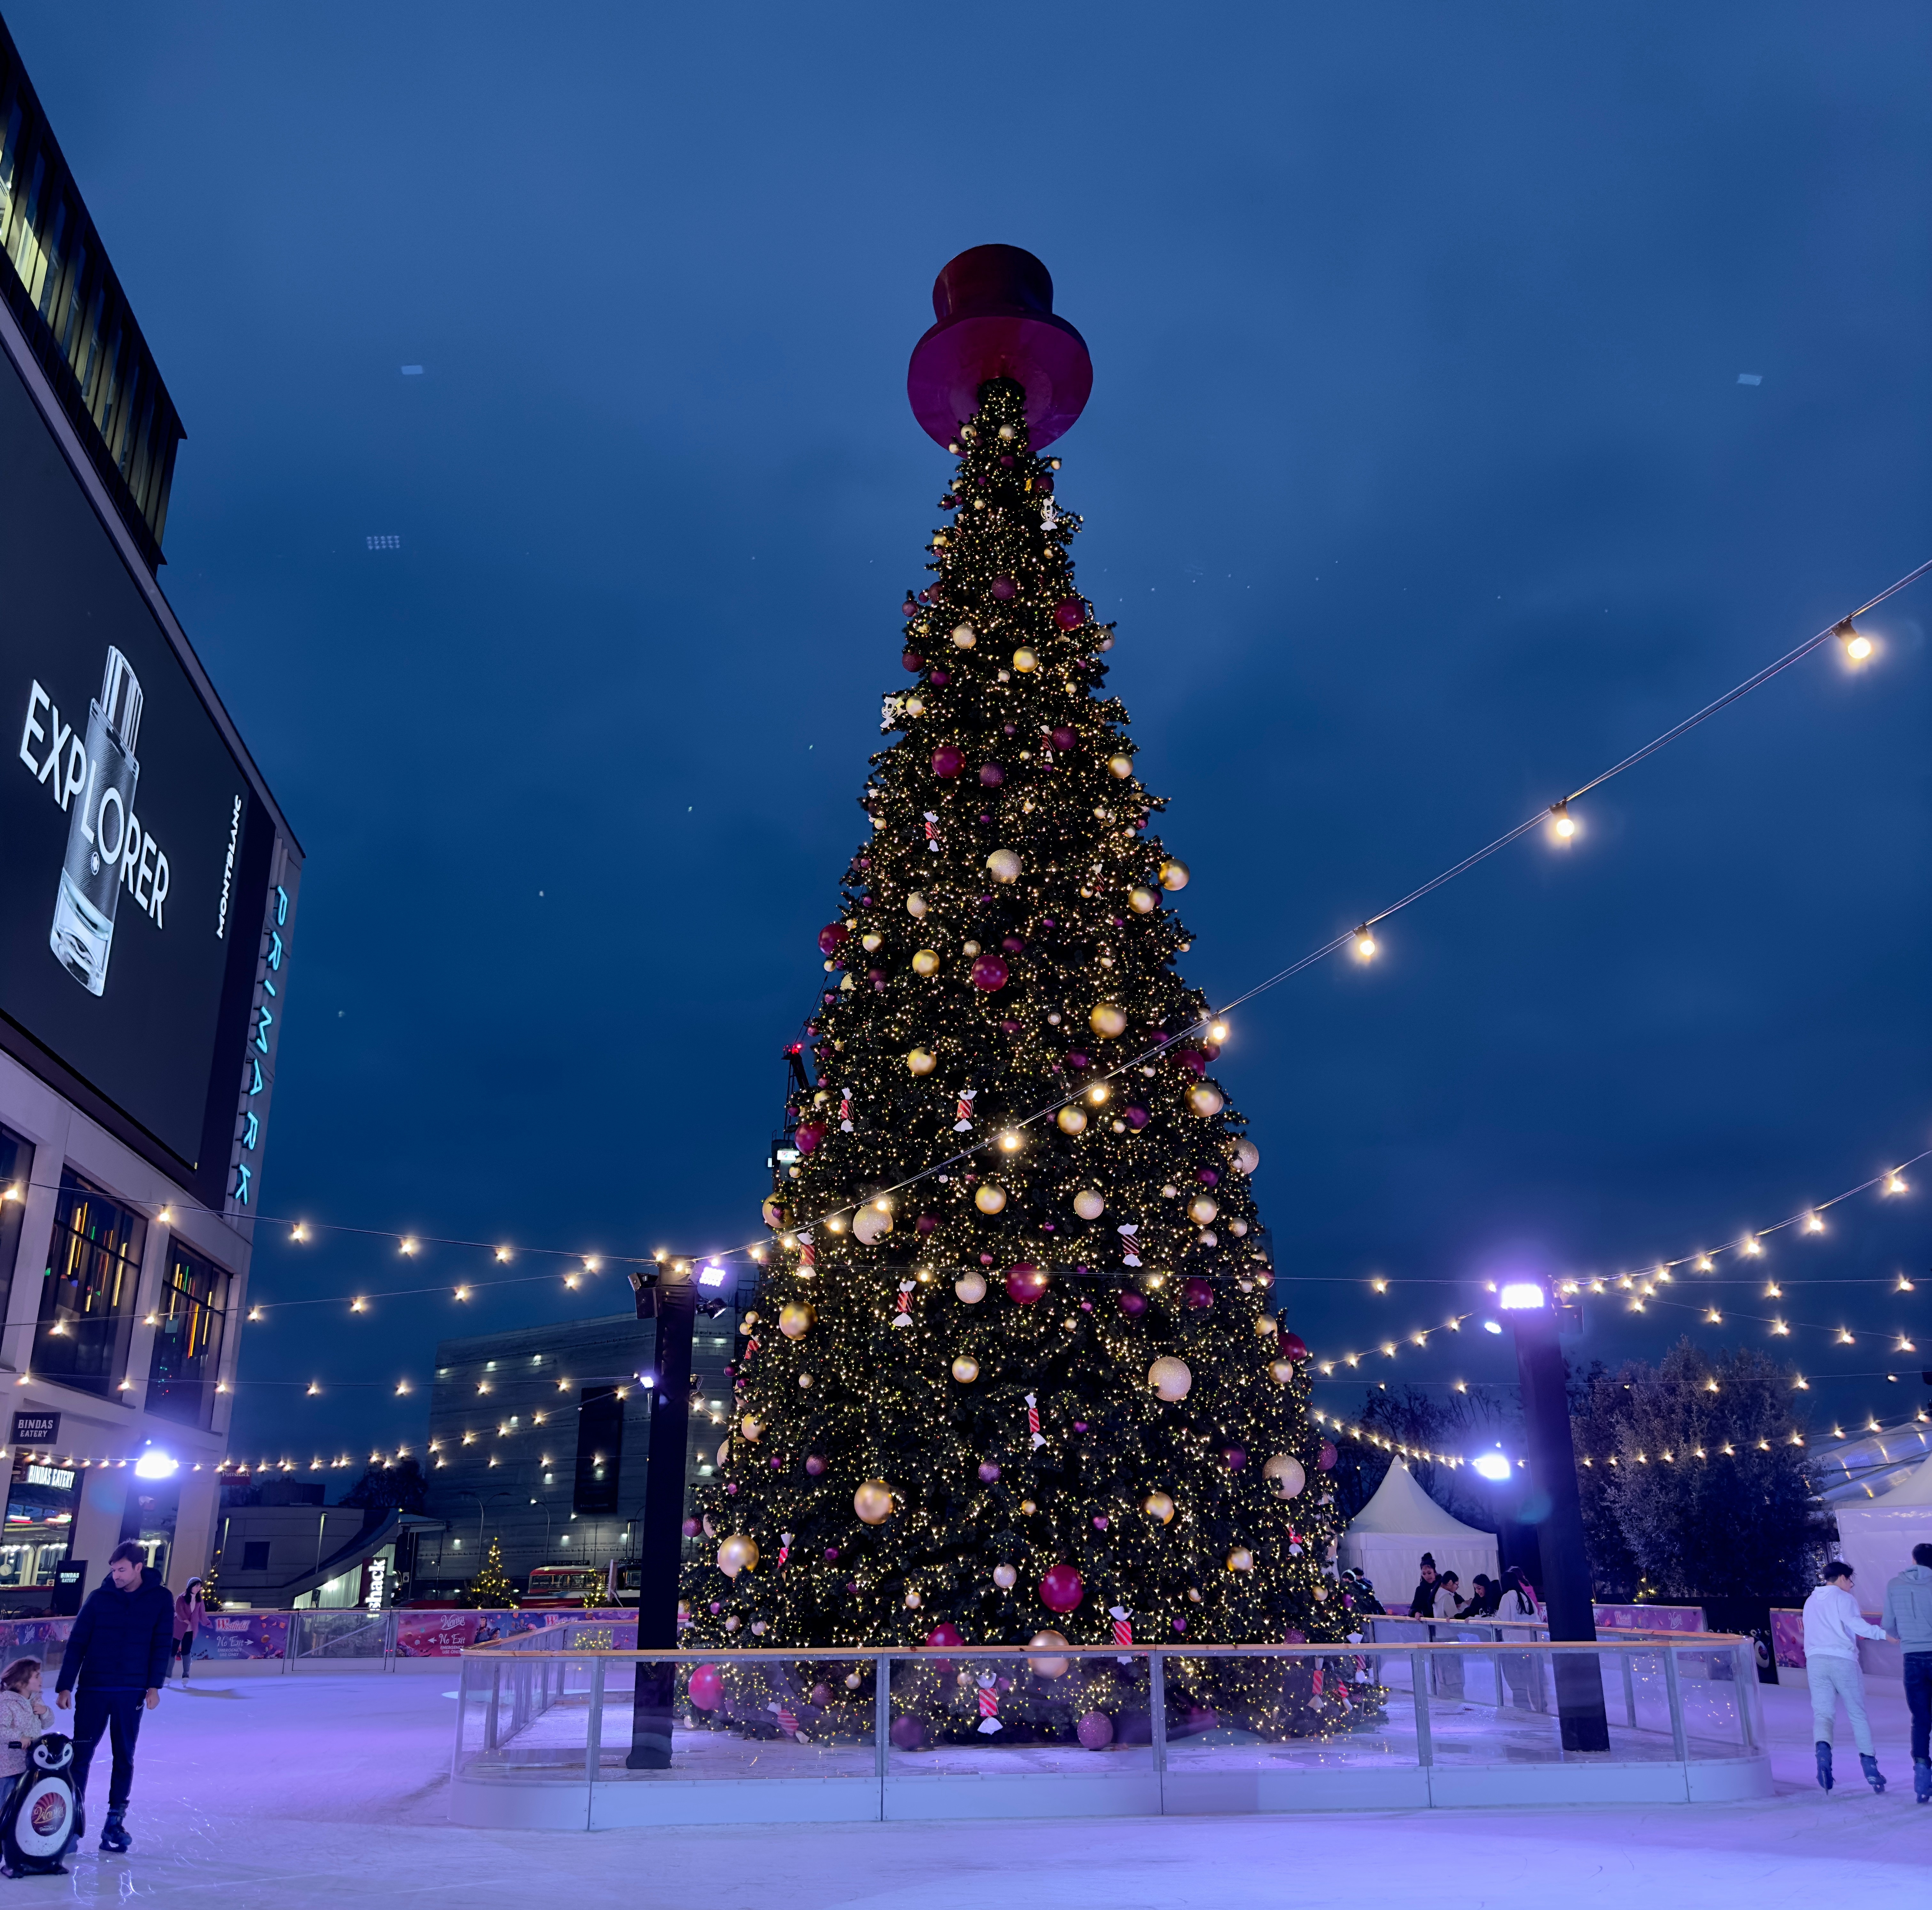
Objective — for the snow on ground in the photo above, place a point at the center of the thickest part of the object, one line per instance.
(328, 1791)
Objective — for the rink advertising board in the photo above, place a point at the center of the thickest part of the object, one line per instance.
(136, 849)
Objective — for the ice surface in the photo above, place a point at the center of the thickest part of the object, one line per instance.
(328, 1790)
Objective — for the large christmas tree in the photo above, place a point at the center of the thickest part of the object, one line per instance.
(1013, 1366)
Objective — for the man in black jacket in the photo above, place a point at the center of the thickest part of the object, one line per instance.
(118, 1649)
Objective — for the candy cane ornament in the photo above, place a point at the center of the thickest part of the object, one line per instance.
(1033, 1421)
(989, 1704)
(904, 1316)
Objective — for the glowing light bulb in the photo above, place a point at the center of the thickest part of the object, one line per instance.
(1858, 646)
(298, 1233)
(1219, 1031)
(1562, 824)
(1895, 1182)
(1378, 1286)
(503, 1253)
(1010, 1140)
(1779, 1329)
(1751, 1245)
(463, 1293)
(1845, 1338)
(1814, 1223)
(1365, 944)
(1773, 1291)
(314, 1389)
(408, 1245)
(1705, 1264)
(1097, 1093)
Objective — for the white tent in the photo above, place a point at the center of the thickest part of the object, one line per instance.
(1386, 1538)
(1876, 1535)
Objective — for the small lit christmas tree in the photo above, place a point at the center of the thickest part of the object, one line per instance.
(491, 1589)
(1042, 1394)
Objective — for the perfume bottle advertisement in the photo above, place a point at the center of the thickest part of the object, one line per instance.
(122, 811)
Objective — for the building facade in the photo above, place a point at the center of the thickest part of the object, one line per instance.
(148, 896)
(540, 1438)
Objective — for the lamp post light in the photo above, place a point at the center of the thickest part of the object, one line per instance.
(1553, 1473)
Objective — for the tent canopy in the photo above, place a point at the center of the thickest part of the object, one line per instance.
(1386, 1538)
(1876, 1535)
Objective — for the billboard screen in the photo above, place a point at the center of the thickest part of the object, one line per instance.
(123, 813)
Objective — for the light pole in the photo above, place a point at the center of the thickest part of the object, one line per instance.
(1553, 1473)
(546, 1513)
(480, 1502)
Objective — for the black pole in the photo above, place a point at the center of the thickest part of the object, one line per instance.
(1566, 1565)
(671, 1298)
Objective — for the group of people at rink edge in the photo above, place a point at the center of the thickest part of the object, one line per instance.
(1833, 1623)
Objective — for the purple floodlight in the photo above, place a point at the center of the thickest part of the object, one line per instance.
(994, 305)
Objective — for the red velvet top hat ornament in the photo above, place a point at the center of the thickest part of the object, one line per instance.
(994, 305)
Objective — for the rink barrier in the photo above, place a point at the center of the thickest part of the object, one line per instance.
(543, 1722)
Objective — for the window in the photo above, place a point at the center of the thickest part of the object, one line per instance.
(16, 1167)
(600, 1440)
(254, 1555)
(190, 1318)
(87, 1301)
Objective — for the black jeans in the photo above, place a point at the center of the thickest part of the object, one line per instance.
(118, 1713)
(1918, 1696)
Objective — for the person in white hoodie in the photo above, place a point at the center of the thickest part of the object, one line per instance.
(1908, 1617)
(1833, 1626)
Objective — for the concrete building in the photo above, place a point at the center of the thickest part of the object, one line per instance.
(150, 882)
(540, 1437)
(281, 1549)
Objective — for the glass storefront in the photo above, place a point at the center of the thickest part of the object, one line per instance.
(16, 1165)
(190, 1317)
(87, 1302)
(41, 1503)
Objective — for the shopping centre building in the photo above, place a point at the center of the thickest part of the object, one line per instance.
(150, 888)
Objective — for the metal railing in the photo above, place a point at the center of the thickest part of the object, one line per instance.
(1163, 1730)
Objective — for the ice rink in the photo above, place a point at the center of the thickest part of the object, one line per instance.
(329, 1791)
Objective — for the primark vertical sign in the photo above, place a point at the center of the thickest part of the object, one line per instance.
(122, 812)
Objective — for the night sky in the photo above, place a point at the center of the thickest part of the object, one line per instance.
(1418, 473)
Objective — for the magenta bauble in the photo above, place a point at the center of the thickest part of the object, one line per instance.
(913, 662)
(945, 1634)
(1061, 1590)
(1326, 1458)
(1069, 614)
(1003, 587)
(1134, 1117)
(908, 608)
(989, 972)
(831, 1553)
(692, 1527)
(940, 678)
(1026, 1283)
(988, 1472)
(1198, 1293)
(992, 774)
(831, 936)
(1133, 1305)
(1208, 1177)
(908, 1734)
(821, 1694)
(814, 1465)
(947, 761)
(1097, 1731)
(1294, 1347)
(707, 1688)
(1064, 738)
(1192, 1059)
(1235, 1458)
(926, 1223)
(807, 1138)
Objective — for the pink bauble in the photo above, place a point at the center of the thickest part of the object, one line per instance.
(989, 972)
(992, 774)
(1133, 1305)
(831, 936)
(1069, 614)
(1326, 1458)
(1003, 587)
(1136, 1118)
(1026, 1283)
(945, 1634)
(908, 1734)
(707, 1688)
(908, 608)
(814, 1465)
(1064, 739)
(927, 1223)
(1192, 1059)
(988, 1472)
(1061, 1590)
(1198, 1293)
(821, 1694)
(805, 1138)
(940, 679)
(1208, 1177)
(1294, 1346)
(913, 662)
(1097, 1731)
(692, 1527)
(831, 1553)
(1235, 1458)
(947, 761)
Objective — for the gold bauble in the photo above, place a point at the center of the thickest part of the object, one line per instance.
(773, 1212)
(922, 1061)
(1158, 1506)
(1173, 873)
(870, 1224)
(1169, 1378)
(739, 1553)
(1267, 1325)
(1107, 1020)
(1028, 1507)
(795, 1319)
(1025, 660)
(1122, 766)
(873, 1502)
(1205, 1100)
(1201, 1210)
(971, 1287)
(1047, 1667)
(925, 962)
(1005, 1577)
(963, 636)
(1142, 901)
(1003, 865)
(913, 1600)
(723, 1455)
(989, 1199)
(965, 1371)
(1071, 1121)
(915, 904)
(1282, 1371)
(750, 1425)
(870, 943)
(1240, 1560)
(1089, 1205)
(1245, 1155)
(1286, 1473)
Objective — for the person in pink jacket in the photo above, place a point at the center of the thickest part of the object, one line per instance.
(1833, 1626)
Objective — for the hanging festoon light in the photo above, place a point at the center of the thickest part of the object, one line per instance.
(1364, 944)
(1562, 824)
(1857, 646)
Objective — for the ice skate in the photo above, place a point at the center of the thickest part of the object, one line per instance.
(1824, 1765)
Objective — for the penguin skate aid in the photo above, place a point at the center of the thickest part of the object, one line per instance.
(114, 1666)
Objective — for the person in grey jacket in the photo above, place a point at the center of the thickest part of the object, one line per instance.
(1908, 1617)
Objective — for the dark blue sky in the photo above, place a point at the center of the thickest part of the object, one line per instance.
(1417, 473)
